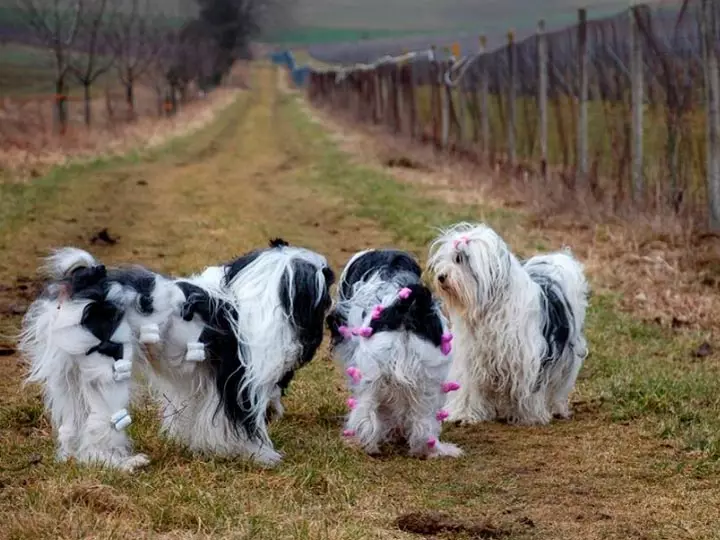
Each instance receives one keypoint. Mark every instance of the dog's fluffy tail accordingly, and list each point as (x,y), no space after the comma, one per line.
(64,261)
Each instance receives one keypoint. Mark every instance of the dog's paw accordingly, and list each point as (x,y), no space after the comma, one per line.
(446,450)
(133,463)
(267,457)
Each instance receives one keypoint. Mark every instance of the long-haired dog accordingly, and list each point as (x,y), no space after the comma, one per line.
(518,326)
(93,325)
(390,336)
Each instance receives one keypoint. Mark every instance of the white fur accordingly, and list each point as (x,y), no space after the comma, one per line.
(81,391)
(497,318)
(400,390)
(263,326)
(87,395)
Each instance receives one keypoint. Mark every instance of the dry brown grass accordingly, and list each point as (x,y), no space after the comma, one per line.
(262,170)
(662,269)
(30,146)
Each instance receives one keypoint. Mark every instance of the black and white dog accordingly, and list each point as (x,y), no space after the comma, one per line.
(391,338)
(92,325)
(519,341)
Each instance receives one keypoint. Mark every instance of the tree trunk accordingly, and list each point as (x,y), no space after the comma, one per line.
(60,105)
(88,104)
(130,97)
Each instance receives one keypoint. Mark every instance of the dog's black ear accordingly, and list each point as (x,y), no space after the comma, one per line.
(329,276)
(278,242)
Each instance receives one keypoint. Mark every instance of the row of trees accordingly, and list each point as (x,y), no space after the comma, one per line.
(89,38)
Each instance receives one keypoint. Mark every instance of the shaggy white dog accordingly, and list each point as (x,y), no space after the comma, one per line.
(219,349)
(518,327)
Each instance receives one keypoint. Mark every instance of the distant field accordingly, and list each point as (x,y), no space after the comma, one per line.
(29,71)
(25,70)
(311,35)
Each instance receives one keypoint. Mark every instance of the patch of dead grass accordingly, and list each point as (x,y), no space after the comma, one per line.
(660,269)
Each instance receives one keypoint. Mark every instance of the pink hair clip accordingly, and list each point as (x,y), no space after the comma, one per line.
(462,240)
(348,432)
(446,343)
(450,386)
(405,293)
(351,403)
(345,332)
(431,442)
(354,373)
(377,312)
(364,331)
(442,415)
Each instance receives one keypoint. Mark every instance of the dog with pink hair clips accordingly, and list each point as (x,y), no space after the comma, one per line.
(390,337)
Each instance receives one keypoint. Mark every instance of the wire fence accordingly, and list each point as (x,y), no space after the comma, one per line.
(624,108)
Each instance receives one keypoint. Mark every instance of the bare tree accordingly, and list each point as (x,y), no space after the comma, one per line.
(135,44)
(87,64)
(55,23)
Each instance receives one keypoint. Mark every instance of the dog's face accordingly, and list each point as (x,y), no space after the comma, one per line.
(471,265)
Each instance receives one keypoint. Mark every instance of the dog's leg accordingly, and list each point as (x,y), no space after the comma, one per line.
(560,391)
(424,436)
(107,393)
(364,424)
(531,409)
(64,401)
(262,453)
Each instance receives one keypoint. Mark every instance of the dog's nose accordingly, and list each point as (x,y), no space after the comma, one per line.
(442,278)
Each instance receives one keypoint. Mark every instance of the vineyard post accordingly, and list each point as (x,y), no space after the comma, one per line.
(377,108)
(543,96)
(709,27)
(484,109)
(411,100)
(445,93)
(397,96)
(582,126)
(435,97)
(512,85)
(636,74)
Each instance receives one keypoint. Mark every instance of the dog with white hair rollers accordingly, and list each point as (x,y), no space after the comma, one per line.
(519,341)
(92,325)
(392,340)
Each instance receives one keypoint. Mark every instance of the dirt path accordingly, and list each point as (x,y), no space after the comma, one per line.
(264,170)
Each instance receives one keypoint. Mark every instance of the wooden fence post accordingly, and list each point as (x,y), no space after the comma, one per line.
(445,96)
(636,75)
(543,96)
(582,127)
(709,27)
(484,109)
(512,85)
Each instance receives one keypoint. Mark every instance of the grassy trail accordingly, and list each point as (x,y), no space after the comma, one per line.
(623,468)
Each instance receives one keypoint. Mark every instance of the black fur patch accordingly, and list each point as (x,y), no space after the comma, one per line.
(387,262)
(221,346)
(417,313)
(278,242)
(414,314)
(233,268)
(102,319)
(308,311)
(557,321)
